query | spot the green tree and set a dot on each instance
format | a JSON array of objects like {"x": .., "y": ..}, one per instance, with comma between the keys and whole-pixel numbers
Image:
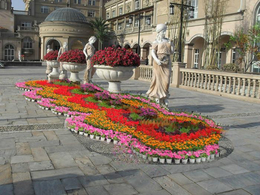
[
  {"x": 245, "y": 42},
  {"x": 101, "y": 30}
]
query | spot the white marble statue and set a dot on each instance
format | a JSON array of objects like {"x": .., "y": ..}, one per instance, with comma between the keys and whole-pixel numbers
[
  {"x": 63, "y": 72},
  {"x": 48, "y": 69},
  {"x": 49, "y": 48},
  {"x": 19, "y": 56},
  {"x": 89, "y": 51},
  {"x": 162, "y": 48}
]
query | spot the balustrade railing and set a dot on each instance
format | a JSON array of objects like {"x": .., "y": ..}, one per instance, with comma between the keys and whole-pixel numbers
[
  {"x": 246, "y": 85},
  {"x": 236, "y": 85},
  {"x": 146, "y": 73}
]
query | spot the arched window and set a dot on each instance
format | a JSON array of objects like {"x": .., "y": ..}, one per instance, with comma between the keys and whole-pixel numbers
[
  {"x": 27, "y": 42},
  {"x": 9, "y": 52}
]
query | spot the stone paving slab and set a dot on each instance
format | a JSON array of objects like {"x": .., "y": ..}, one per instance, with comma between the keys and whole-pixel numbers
[{"x": 42, "y": 155}]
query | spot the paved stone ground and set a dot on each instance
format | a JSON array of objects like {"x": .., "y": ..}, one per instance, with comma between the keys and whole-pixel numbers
[{"x": 52, "y": 160}]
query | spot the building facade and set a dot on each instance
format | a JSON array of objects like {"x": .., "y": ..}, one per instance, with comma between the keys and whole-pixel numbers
[
  {"x": 20, "y": 33},
  {"x": 125, "y": 16}
]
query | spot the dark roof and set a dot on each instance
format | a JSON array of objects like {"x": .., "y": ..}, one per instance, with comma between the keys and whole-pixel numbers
[{"x": 67, "y": 15}]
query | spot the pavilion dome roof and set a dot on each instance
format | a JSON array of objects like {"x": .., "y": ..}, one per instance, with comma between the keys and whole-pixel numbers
[{"x": 66, "y": 15}]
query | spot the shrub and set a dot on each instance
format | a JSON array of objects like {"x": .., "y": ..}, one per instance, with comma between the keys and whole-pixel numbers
[{"x": 230, "y": 67}]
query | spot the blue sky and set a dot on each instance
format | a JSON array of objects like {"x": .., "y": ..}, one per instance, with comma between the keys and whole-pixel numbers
[{"x": 18, "y": 4}]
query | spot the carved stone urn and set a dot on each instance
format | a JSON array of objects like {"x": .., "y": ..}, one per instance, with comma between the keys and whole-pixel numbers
[
  {"x": 54, "y": 75},
  {"x": 114, "y": 75},
  {"x": 74, "y": 68}
]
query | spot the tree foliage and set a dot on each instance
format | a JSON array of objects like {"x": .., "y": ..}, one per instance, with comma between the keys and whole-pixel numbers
[
  {"x": 101, "y": 30},
  {"x": 246, "y": 44}
]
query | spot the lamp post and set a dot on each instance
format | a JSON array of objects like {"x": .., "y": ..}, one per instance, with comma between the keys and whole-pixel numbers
[
  {"x": 182, "y": 6},
  {"x": 139, "y": 30}
]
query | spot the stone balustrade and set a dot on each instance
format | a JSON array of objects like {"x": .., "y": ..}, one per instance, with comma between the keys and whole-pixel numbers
[{"x": 234, "y": 85}]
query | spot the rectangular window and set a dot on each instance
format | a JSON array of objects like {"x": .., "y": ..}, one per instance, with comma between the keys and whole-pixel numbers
[
  {"x": 148, "y": 20},
  {"x": 219, "y": 59},
  {"x": 137, "y": 4},
  {"x": 91, "y": 2},
  {"x": 120, "y": 11},
  {"x": 234, "y": 57},
  {"x": 136, "y": 22},
  {"x": 44, "y": 9},
  {"x": 196, "y": 58},
  {"x": 91, "y": 13},
  {"x": 114, "y": 13},
  {"x": 194, "y": 3},
  {"x": 119, "y": 26},
  {"x": 77, "y": 1},
  {"x": 58, "y": 1}
]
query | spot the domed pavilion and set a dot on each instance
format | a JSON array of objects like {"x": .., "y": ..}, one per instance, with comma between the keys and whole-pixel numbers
[{"x": 64, "y": 25}]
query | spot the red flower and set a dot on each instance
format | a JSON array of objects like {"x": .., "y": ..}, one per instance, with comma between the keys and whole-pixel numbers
[
  {"x": 111, "y": 56},
  {"x": 52, "y": 55},
  {"x": 76, "y": 56}
]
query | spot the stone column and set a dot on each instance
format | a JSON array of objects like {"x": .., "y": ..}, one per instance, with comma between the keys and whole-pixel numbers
[
  {"x": 176, "y": 74},
  {"x": 142, "y": 53},
  {"x": 188, "y": 49}
]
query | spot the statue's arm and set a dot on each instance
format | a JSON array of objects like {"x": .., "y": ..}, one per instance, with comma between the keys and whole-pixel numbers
[
  {"x": 59, "y": 54},
  {"x": 85, "y": 51},
  {"x": 153, "y": 53}
]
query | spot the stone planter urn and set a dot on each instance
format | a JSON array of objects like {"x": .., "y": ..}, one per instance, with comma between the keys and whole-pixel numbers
[
  {"x": 114, "y": 75},
  {"x": 74, "y": 68},
  {"x": 54, "y": 75}
]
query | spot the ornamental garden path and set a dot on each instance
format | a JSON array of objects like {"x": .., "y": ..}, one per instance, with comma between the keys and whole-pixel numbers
[{"x": 39, "y": 156}]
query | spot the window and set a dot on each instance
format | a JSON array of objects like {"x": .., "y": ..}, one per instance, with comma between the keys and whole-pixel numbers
[
  {"x": 136, "y": 4},
  {"x": 114, "y": 13},
  {"x": 91, "y": 2},
  {"x": 136, "y": 22},
  {"x": 9, "y": 52},
  {"x": 91, "y": 13},
  {"x": 194, "y": 3},
  {"x": 234, "y": 57},
  {"x": 148, "y": 20},
  {"x": 196, "y": 58},
  {"x": 58, "y": 1},
  {"x": 77, "y": 1},
  {"x": 27, "y": 42},
  {"x": 107, "y": 16},
  {"x": 119, "y": 26},
  {"x": 26, "y": 25},
  {"x": 120, "y": 11},
  {"x": 219, "y": 58},
  {"x": 44, "y": 9}
]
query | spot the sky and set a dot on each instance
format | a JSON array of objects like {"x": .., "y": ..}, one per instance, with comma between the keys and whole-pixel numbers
[{"x": 18, "y": 4}]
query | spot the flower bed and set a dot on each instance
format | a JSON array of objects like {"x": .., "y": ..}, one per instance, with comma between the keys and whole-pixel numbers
[{"x": 133, "y": 121}]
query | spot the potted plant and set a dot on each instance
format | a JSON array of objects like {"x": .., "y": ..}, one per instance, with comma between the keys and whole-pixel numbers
[
  {"x": 115, "y": 65},
  {"x": 97, "y": 135},
  {"x": 103, "y": 137},
  {"x": 108, "y": 139},
  {"x": 155, "y": 157},
  {"x": 184, "y": 159},
  {"x": 192, "y": 159},
  {"x": 51, "y": 60},
  {"x": 162, "y": 159},
  {"x": 81, "y": 130},
  {"x": 73, "y": 61},
  {"x": 168, "y": 159},
  {"x": 86, "y": 133},
  {"x": 212, "y": 154},
  {"x": 115, "y": 140},
  {"x": 203, "y": 157}
]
